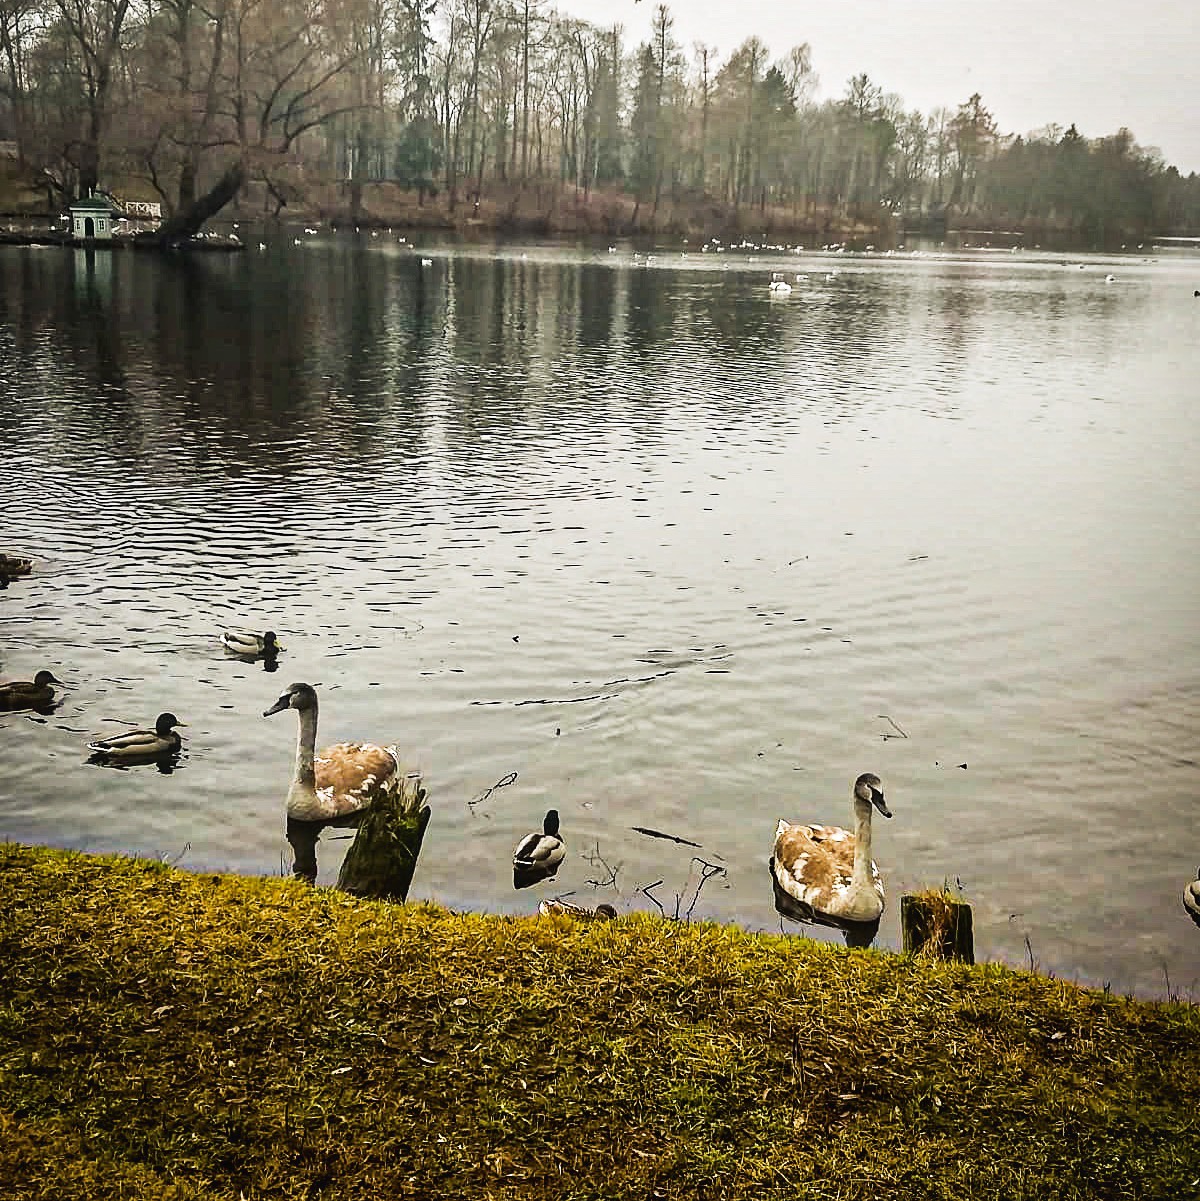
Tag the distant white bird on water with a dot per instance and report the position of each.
(778, 285)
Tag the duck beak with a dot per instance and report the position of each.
(879, 803)
(279, 705)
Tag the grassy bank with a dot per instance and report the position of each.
(171, 1036)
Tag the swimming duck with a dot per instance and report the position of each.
(28, 694)
(825, 874)
(334, 788)
(12, 565)
(603, 912)
(243, 642)
(538, 856)
(140, 746)
(1191, 899)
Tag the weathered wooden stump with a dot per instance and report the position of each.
(937, 926)
(383, 856)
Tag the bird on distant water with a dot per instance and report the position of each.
(243, 642)
(140, 746)
(334, 788)
(538, 856)
(28, 694)
(1191, 899)
(825, 874)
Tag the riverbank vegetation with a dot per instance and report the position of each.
(166, 1036)
(512, 115)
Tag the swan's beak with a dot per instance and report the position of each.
(281, 704)
(879, 803)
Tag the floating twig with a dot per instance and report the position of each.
(592, 858)
(687, 842)
(707, 871)
(503, 782)
(650, 896)
(899, 732)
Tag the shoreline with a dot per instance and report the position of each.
(166, 1034)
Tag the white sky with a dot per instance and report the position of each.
(1101, 64)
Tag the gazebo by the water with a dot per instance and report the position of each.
(92, 218)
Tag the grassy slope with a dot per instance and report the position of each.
(167, 1036)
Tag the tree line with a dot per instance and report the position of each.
(463, 98)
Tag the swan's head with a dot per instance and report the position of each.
(43, 678)
(867, 788)
(297, 696)
(166, 723)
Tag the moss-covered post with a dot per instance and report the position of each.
(383, 856)
(935, 925)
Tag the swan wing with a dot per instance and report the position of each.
(351, 774)
(813, 864)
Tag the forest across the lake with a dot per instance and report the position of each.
(513, 116)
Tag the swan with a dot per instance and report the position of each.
(779, 285)
(538, 856)
(825, 874)
(28, 694)
(1191, 899)
(140, 746)
(334, 788)
(243, 642)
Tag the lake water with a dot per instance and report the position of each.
(676, 553)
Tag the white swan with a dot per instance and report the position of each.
(1191, 899)
(825, 873)
(538, 856)
(778, 285)
(334, 788)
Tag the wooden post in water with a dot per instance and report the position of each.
(383, 856)
(935, 925)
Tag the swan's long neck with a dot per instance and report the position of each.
(304, 780)
(860, 876)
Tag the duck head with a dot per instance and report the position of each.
(166, 723)
(867, 788)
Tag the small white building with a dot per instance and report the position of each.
(92, 218)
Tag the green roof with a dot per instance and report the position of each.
(93, 204)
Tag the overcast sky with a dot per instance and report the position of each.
(1098, 63)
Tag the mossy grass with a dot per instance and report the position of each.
(166, 1036)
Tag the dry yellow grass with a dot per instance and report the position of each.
(173, 1036)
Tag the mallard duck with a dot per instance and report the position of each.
(11, 565)
(603, 912)
(244, 642)
(140, 746)
(538, 856)
(1191, 899)
(28, 694)
(825, 874)
(333, 788)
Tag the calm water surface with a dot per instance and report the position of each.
(676, 553)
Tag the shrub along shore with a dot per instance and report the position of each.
(168, 1036)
